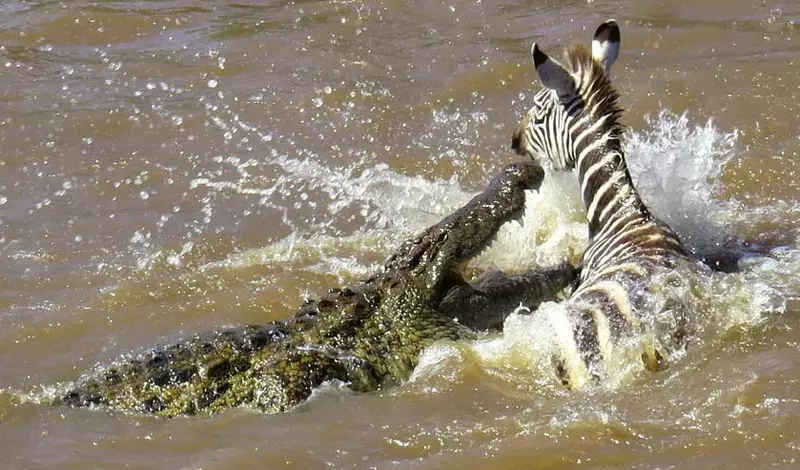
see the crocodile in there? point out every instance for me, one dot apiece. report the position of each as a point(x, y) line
point(367, 336)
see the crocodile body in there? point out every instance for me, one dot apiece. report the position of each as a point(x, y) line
point(367, 336)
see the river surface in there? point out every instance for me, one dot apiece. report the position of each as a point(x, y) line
point(173, 167)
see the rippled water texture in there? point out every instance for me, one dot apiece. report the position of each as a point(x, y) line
point(172, 167)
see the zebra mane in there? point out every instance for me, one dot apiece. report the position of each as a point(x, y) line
point(600, 102)
point(594, 86)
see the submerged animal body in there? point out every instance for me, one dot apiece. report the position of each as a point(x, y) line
point(367, 336)
point(631, 271)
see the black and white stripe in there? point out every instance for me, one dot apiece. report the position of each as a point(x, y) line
point(574, 123)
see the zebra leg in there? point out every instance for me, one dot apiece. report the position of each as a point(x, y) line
point(678, 331)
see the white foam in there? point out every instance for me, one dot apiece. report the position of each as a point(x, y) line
point(394, 207)
point(552, 229)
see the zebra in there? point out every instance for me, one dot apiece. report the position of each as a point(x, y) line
point(575, 123)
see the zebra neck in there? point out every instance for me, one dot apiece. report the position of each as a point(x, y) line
point(606, 186)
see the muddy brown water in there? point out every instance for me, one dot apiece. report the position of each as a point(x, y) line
point(171, 167)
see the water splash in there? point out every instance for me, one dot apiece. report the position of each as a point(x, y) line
point(677, 168)
point(677, 165)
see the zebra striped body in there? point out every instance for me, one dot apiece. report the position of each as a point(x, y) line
point(574, 124)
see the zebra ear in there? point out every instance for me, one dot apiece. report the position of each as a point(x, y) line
point(605, 44)
point(552, 74)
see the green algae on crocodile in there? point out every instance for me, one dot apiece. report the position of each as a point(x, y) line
point(367, 336)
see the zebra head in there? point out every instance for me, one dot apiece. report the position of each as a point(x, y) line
point(575, 101)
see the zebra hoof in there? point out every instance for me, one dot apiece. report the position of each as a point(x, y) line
point(653, 360)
